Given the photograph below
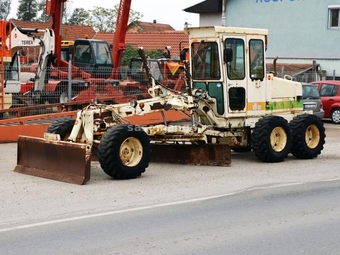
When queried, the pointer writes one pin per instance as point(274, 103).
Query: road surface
point(248, 208)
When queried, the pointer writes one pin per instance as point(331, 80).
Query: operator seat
point(86, 57)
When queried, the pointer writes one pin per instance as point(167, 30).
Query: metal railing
point(64, 89)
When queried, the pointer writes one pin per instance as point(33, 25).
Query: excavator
point(94, 64)
point(12, 40)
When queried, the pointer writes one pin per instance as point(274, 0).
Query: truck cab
point(229, 63)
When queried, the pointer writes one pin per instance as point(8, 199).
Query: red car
point(330, 96)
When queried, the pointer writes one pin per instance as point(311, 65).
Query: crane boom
point(55, 8)
point(120, 33)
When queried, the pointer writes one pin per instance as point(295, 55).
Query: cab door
point(206, 72)
point(234, 55)
point(256, 75)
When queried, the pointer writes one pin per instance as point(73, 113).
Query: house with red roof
point(150, 35)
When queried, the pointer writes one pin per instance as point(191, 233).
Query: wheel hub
point(131, 152)
point(278, 139)
point(336, 116)
point(312, 136)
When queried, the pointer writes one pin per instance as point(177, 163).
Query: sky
point(164, 12)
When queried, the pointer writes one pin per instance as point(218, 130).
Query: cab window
point(235, 62)
point(237, 98)
point(205, 61)
point(256, 57)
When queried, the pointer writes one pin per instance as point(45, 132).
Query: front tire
point(308, 136)
point(63, 127)
point(271, 139)
point(124, 151)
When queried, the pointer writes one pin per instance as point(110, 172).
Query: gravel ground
point(27, 199)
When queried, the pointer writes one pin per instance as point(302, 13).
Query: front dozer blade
point(207, 154)
point(57, 160)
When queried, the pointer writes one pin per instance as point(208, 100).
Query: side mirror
point(227, 55)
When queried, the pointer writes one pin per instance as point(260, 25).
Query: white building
point(300, 31)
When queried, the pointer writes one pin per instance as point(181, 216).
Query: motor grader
point(230, 102)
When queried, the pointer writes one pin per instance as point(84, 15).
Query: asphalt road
point(287, 219)
point(248, 208)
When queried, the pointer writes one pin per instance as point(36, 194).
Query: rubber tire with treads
point(271, 139)
point(124, 151)
point(308, 136)
point(63, 127)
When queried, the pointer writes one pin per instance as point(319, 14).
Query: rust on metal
point(56, 160)
point(207, 154)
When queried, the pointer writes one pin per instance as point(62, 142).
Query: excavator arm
point(120, 34)
point(55, 8)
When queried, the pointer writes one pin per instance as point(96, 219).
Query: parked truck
point(231, 101)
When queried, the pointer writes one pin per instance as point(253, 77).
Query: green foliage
point(129, 54)
point(5, 8)
point(101, 19)
point(80, 17)
point(28, 10)
point(154, 53)
point(132, 52)
point(42, 10)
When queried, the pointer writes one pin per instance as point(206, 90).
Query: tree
point(67, 12)
point(131, 52)
point(28, 10)
point(80, 17)
point(5, 8)
point(42, 9)
point(104, 20)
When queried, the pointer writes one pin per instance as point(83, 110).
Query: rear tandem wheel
point(308, 136)
point(271, 139)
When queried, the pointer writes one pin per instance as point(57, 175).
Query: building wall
point(209, 19)
point(298, 29)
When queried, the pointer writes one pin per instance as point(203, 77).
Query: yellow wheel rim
point(131, 152)
point(278, 139)
point(312, 136)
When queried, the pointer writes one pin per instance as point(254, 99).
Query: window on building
point(334, 12)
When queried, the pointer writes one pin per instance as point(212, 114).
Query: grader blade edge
point(208, 154)
point(56, 160)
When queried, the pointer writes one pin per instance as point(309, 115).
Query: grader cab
point(230, 101)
